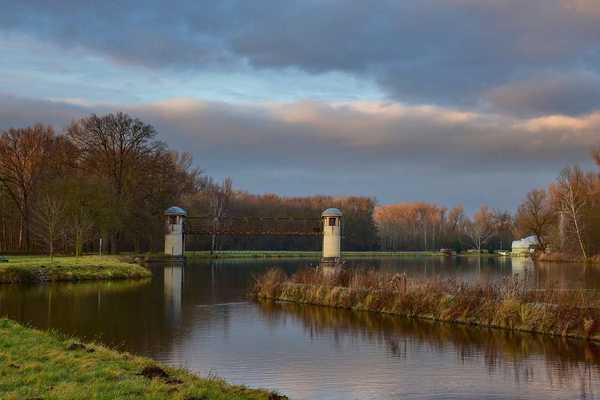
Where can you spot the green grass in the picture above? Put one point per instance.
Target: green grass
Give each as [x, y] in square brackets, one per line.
[32, 269]
[508, 304]
[36, 365]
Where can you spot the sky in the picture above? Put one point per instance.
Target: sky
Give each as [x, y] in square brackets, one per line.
[446, 101]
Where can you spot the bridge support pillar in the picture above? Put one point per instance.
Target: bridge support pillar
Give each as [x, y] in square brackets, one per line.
[332, 239]
[175, 232]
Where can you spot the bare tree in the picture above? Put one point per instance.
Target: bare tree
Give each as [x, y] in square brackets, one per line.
[23, 157]
[113, 147]
[536, 216]
[50, 215]
[219, 199]
[573, 201]
[481, 229]
[81, 224]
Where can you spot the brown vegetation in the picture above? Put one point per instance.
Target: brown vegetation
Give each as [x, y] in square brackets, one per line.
[508, 304]
[566, 217]
[423, 226]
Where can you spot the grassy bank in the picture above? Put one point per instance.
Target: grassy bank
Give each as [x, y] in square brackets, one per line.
[36, 364]
[566, 258]
[24, 269]
[507, 305]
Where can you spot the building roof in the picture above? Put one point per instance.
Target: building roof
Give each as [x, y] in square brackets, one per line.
[526, 242]
[332, 212]
[175, 211]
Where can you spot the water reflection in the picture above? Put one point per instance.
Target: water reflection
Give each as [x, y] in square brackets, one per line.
[565, 360]
[198, 316]
[173, 289]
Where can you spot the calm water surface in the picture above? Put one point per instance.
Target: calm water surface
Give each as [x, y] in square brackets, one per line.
[198, 317]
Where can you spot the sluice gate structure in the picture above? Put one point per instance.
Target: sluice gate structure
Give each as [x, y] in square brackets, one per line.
[179, 225]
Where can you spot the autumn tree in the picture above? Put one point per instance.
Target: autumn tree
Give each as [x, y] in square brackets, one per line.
[50, 218]
[419, 226]
[164, 179]
[536, 216]
[573, 201]
[24, 154]
[219, 197]
[481, 229]
[455, 227]
[114, 147]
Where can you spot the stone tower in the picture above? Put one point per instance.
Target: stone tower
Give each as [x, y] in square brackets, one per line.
[174, 231]
[332, 236]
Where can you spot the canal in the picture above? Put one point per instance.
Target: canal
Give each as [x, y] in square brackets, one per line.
[198, 317]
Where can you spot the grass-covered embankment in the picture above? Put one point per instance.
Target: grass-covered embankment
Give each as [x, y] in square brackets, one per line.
[32, 269]
[507, 305]
[555, 257]
[36, 365]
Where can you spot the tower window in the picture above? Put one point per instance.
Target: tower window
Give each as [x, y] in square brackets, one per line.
[331, 221]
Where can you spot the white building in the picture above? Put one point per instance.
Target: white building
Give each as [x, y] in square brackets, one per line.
[525, 246]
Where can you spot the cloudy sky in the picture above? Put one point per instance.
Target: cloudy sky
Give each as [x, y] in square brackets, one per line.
[450, 101]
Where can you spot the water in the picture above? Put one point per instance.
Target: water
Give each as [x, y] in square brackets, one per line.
[198, 317]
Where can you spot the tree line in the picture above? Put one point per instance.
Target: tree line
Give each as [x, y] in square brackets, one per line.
[109, 177]
[103, 177]
[430, 227]
[565, 216]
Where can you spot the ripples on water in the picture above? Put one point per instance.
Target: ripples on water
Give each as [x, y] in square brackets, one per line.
[198, 317]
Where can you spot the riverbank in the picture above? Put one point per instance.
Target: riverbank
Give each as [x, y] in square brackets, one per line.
[506, 305]
[566, 258]
[37, 364]
[35, 269]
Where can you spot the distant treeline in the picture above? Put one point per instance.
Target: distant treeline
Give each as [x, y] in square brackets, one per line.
[565, 218]
[109, 177]
[423, 226]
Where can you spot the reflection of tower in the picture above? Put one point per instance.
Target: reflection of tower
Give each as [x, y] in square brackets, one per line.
[520, 265]
[561, 228]
[173, 286]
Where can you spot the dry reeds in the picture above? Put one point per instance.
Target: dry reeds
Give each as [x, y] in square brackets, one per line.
[506, 304]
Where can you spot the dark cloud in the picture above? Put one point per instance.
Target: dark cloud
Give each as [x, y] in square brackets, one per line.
[443, 52]
[18, 112]
[571, 94]
[392, 151]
